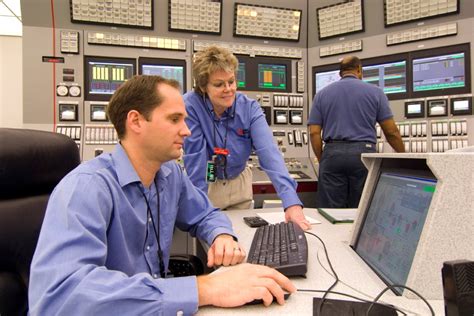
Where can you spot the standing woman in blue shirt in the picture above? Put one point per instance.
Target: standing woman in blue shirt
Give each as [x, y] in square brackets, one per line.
[225, 125]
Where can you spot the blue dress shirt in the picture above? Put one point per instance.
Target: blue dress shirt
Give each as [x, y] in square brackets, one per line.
[97, 250]
[240, 128]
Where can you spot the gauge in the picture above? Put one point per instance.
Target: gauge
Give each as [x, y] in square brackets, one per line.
[61, 90]
[75, 91]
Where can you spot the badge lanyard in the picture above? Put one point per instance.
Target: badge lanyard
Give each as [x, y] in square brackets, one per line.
[219, 158]
[156, 230]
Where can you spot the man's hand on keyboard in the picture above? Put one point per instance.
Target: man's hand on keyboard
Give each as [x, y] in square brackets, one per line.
[295, 214]
[242, 284]
[225, 251]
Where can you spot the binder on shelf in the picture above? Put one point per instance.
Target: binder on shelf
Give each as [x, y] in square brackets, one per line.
[339, 215]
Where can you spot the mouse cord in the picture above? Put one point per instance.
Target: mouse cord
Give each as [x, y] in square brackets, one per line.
[391, 287]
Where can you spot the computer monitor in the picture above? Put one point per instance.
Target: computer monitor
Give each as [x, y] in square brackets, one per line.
[164, 67]
[415, 109]
[103, 75]
[272, 76]
[393, 222]
[461, 106]
[441, 71]
[324, 76]
[241, 75]
[437, 107]
[389, 73]
[263, 74]
[324, 79]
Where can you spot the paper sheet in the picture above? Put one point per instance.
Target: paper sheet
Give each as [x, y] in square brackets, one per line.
[278, 217]
[341, 214]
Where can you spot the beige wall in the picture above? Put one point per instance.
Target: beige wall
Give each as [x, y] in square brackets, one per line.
[11, 99]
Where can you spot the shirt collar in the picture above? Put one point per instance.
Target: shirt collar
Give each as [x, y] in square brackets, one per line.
[350, 76]
[126, 174]
[230, 112]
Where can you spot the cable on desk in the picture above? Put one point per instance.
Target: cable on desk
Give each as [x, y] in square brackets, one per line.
[402, 310]
[353, 296]
[391, 287]
[320, 307]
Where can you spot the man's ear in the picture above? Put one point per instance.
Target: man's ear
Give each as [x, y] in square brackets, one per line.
[134, 121]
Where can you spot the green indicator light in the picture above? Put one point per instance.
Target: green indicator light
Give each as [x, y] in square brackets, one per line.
[429, 188]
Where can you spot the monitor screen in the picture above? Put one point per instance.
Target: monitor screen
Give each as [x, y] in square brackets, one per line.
[325, 78]
[241, 76]
[394, 219]
[461, 106]
[415, 109]
[166, 68]
[439, 72]
[391, 77]
[104, 75]
[437, 107]
[272, 77]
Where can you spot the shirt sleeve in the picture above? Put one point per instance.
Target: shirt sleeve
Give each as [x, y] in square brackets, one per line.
[69, 274]
[271, 159]
[208, 222]
[384, 111]
[195, 150]
[315, 117]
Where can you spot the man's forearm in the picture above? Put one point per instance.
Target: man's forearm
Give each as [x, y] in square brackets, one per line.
[396, 142]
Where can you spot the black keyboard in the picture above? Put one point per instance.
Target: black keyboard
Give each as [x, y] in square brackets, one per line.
[281, 246]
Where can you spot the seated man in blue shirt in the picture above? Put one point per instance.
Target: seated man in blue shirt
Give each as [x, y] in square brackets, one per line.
[105, 242]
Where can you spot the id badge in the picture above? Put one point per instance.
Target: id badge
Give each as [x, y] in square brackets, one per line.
[211, 171]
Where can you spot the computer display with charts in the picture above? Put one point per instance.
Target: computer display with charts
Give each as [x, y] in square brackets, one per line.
[440, 71]
[393, 223]
[164, 67]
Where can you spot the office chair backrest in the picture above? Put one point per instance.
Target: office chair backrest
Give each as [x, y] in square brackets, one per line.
[31, 164]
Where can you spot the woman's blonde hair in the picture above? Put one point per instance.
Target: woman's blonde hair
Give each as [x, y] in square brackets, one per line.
[209, 60]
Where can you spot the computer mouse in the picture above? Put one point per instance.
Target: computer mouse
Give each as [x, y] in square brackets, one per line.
[260, 301]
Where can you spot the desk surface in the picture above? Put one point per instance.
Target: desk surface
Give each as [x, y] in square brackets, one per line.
[358, 279]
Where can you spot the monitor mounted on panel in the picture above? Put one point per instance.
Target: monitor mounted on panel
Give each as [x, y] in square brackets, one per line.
[264, 74]
[103, 75]
[389, 73]
[441, 71]
[272, 76]
[324, 76]
[241, 75]
[394, 221]
[461, 105]
[167, 68]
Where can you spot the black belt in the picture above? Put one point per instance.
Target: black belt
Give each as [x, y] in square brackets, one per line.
[345, 141]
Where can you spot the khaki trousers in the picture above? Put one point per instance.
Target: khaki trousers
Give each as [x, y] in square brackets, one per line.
[232, 194]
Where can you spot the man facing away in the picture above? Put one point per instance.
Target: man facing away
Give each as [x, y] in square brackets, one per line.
[105, 241]
[346, 112]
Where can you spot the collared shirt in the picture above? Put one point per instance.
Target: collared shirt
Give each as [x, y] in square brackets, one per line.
[348, 110]
[239, 128]
[97, 251]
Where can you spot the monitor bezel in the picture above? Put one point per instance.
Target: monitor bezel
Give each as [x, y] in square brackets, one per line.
[440, 51]
[461, 112]
[415, 115]
[251, 68]
[87, 59]
[321, 69]
[164, 62]
[410, 168]
[428, 113]
[386, 59]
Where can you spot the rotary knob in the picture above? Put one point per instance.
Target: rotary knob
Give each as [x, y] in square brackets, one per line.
[62, 90]
[75, 91]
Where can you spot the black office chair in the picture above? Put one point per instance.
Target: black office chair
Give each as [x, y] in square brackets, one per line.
[32, 162]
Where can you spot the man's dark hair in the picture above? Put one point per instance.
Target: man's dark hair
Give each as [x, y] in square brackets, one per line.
[139, 93]
[348, 64]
